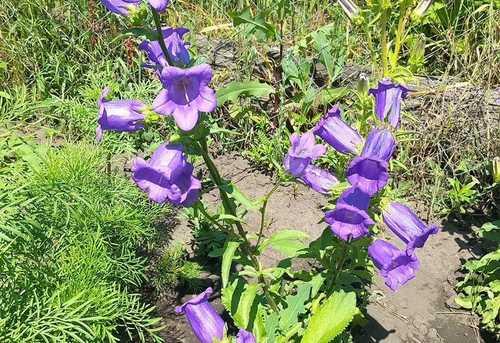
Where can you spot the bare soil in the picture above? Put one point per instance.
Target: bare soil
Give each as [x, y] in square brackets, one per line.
[420, 312]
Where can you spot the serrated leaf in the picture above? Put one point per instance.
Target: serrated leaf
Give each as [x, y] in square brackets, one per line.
[272, 322]
[236, 89]
[241, 198]
[227, 259]
[288, 242]
[331, 319]
[295, 306]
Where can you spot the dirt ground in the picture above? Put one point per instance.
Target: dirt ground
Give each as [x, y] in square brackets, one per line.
[421, 312]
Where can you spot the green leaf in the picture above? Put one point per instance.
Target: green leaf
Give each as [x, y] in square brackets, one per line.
[236, 89]
[256, 24]
[288, 242]
[295, 307]
[227, 259]
[240, 300]
[271, 326]
[464, 301]
[241, 198]
[331, 319]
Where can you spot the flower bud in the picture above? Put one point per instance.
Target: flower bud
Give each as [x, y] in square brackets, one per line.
[350, 8]
[422, 8]
[496, 169]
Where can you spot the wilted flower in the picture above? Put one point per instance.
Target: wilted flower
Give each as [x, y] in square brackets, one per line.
[395, 266]
[159, 5]
[177, 51]
[207, 324]
[320, 180]
[302, 152]
[380, 144]
[368, 174]
[348, 222]
[407, 226]
[354, 196]
[333, 130]
[121, 7]
[119, 115]
[350, 8]
[186, 94]
[245, 337]
[388, 97]
[167, 176]
[422, 7]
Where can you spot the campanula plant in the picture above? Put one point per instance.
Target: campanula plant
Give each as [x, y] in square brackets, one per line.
[269, 303]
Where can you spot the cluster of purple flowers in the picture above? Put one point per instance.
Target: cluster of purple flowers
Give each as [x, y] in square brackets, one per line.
[367, 174]
[167, 176]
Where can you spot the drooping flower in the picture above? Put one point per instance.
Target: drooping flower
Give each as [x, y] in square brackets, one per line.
[388, 98]
[333, 130]
[207, 324]
[121, 7]
[350, 8]
[397, 267]
[348, 222]
[186, 94]
[368, 174]
[118, 115]
[167, 176]
[176, 48]
[407, 226]
[302, 152]
[380, 144]
[322, 181]
[159, 5]
[245, 337]
[354, 196]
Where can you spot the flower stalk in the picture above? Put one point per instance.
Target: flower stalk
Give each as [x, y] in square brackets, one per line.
[161, 39]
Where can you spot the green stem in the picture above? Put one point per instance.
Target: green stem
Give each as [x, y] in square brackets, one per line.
[405, 13]
[230, 209]
[263, 216]
[161, 39]
[340, 264]
[383, 41]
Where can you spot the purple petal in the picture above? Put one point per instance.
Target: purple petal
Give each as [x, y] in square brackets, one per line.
[159, 5]
[354, 196]
[388, 98]
[121, 7]
[319, 179]
[380, 145]
[245, 337]
[206, 323]
[369, 175]
[348, 222]
[302, 152]
[407, 226]
[119, 115]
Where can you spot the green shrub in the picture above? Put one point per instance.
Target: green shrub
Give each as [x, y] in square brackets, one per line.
[69, 235]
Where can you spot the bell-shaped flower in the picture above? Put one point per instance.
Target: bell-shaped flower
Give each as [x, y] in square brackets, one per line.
[245, 337]
[354, 196]
[121, 7]
[302, 152]
[167, 176]
[349, 8]
[397, 267]
[388, 98]
[348, 222]
[405, 224]
[334, 131]
[186, 94]
[380, 144]
[322, 181]
[206, 323]
[176, 48]
[422, 7]
[159, 5]
[118, 115]
[368, 174]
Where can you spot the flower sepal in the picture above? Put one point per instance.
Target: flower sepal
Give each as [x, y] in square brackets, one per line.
[138, 14]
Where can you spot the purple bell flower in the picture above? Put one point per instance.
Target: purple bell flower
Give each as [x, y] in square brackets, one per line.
[245, 337]
[397, 267]
[348, 222]
[121, 7]
[176, 48]
[319, 179]
[354, 196]
[167, 176]
[159, 5]
[118, 115]
[368, 174]
[333, 130]
[206, 323]
[186, 94]
[380, 144]
[349, 8]
[407, 226]
[388, 97]
[302, 152]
